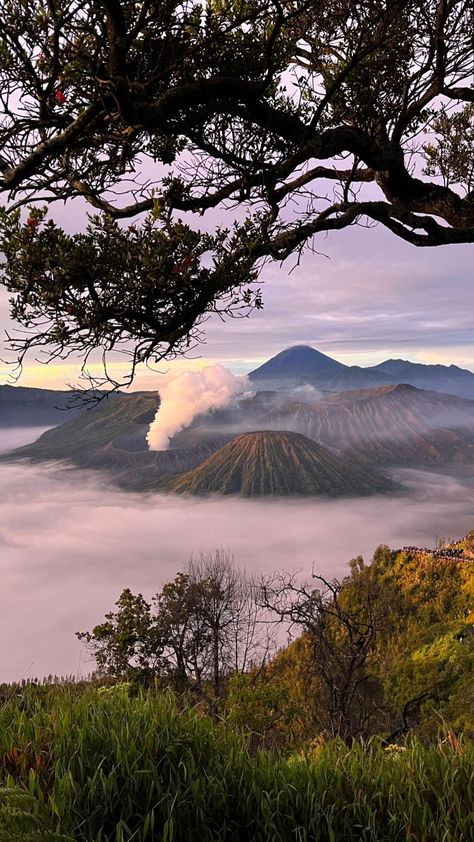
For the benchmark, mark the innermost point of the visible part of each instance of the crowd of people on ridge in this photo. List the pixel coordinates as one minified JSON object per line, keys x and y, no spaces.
{"x":439,"y":552}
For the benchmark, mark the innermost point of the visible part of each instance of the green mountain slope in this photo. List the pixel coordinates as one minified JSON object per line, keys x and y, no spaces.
{"x":81,"y":439}
{"x":277,"y":463}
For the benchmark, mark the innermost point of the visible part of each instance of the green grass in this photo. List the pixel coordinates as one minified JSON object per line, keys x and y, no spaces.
{"x":102,"y":765}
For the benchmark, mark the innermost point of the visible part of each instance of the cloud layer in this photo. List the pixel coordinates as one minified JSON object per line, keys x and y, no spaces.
{"x":375,"y":297}
{"x":69,"y":544}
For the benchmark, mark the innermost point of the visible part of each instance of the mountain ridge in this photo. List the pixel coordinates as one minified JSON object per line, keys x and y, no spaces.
{"x":283,"y":371}
{"x":391,"y":425}
{"x":28,"y":406}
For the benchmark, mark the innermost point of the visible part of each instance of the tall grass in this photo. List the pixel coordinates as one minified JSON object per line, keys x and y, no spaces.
{"x":113,"y":768}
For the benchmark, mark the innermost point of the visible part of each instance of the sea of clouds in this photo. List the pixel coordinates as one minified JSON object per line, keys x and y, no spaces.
{"x":69,"y":544}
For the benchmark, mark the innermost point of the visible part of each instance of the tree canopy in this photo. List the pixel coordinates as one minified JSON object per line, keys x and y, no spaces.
{"x":303,"y":117}
{"x":198,"y":630}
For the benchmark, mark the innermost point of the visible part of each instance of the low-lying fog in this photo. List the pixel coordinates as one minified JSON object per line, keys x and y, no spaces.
{"x":18,"y":436}
{"x":69,"y":544}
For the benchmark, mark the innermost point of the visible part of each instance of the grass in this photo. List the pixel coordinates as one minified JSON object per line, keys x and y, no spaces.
{"x":104,"y":766}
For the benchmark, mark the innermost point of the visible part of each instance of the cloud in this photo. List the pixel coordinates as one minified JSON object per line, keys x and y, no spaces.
{"x":375,"y":297}
{"x":69,"y":544}
{"x":10,"y":438}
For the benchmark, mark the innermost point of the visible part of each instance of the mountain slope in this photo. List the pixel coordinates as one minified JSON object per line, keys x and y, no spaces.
{"x":276,"y":463}
{"x":79,"y":439}
{"x":23,"y":406}
{"x":388,"y":425}
{"x":352,"y":377}
{"x":112,"y":438}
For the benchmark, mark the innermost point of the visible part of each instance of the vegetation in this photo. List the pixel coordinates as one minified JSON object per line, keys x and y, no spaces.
{"x":387,"y":650}
{"x":111,"y":764}
{"x":203,"y":627}
{"x":305,"y":116}
{"x":360,"y":729}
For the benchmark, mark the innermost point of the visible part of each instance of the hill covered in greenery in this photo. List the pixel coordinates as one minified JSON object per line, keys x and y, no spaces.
{"x":362,"y":728}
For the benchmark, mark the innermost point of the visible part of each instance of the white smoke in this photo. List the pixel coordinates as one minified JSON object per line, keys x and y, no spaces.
{"x":189,"y":394}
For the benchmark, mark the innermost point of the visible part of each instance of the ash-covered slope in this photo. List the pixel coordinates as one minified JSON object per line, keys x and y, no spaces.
{"x":387,"y":425}
{"x":277,"y":463}
{"x":112,"y":438}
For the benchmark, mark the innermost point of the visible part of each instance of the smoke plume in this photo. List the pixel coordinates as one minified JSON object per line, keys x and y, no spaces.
{"x":189,"y":394}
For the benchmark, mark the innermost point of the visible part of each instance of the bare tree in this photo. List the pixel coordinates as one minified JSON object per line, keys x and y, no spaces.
{"x":343,"y":620}
{"x":238,"y":638}
{"x":198,"y":630}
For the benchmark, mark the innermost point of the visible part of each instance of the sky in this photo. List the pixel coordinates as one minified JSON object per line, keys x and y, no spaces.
{"x":367,"y":296}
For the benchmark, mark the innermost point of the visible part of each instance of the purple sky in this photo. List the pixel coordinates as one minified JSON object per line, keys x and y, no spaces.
{"x":371,"y":298}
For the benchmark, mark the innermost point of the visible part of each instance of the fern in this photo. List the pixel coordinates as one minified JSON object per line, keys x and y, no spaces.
{"x":21,"y":819}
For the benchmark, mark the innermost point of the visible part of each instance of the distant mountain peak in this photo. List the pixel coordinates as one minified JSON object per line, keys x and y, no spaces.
{"x":301,"y":364}
{"x":297,"y":363}
{"x":298,"y":348}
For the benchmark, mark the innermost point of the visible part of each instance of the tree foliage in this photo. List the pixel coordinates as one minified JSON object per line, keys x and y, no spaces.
{"x":198,"y":630}
{"x":307,"y":116}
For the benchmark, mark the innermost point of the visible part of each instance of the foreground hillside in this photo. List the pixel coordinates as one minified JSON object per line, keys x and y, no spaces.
{"x":360,"y":730}
{"x":277,"y":463}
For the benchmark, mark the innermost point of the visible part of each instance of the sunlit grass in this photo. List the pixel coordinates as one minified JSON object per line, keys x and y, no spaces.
{"x":106,"y":765}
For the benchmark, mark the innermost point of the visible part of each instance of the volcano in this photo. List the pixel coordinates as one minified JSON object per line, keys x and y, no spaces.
{"x":277,"y":463}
